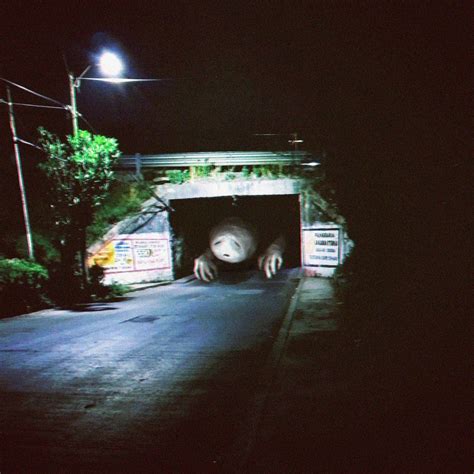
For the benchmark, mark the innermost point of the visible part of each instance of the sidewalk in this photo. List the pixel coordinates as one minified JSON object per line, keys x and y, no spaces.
{"x":304,"y":418}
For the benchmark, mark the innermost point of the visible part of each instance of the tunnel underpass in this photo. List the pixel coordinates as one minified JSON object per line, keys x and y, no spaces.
{"x":271,"y":216}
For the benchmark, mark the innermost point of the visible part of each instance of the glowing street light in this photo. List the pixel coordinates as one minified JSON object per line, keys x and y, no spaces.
{"x":110,"y":65}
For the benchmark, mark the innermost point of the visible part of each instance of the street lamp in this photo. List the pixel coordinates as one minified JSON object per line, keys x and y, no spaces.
{"x":110,"y":65}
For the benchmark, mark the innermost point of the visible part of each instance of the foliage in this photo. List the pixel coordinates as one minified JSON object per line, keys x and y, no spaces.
{"x":215,"y":171}
{"x":101,"y":292}
{"x":96,"y":274}
{"x":230,"y":173}
{"x":114,"y":291}
{"x":45,"y":250}
{"x":80,"y":173}
{"x":319,"y":192}
{"x":200,"y":171}
{"x":178,"y":176}
{"x":22,"y":285}
{"x":124,"y":199}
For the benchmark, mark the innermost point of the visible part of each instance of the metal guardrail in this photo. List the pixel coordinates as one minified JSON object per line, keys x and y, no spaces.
{"x":230,"y":158}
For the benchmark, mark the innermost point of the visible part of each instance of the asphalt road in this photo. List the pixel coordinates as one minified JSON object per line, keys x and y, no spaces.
{"x":163,"y":381}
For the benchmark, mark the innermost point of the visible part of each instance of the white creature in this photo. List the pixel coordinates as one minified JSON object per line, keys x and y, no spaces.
{"x":234,"y":241}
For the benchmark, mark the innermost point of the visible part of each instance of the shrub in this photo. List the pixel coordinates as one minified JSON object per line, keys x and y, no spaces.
{"x":22,"y":285}
{"x":178,"y":176}
{"x":45,"y":251}
{"x":124,"y":200}
{"x":203,"y":171}
{"x":101,"y":292}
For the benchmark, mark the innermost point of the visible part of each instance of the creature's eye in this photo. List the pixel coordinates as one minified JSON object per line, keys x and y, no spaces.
{"x":218,"y":242}
{"x":237,"y":244}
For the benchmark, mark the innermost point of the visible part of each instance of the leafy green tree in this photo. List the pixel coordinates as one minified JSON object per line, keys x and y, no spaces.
{"x":80,"y":173}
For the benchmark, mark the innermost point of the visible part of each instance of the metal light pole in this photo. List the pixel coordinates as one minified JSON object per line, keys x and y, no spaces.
{"x":74,"y":83}
{"x":29,"y":238}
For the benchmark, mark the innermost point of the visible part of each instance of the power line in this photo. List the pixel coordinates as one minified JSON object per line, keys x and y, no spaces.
{"x":3,"y":101}
{"x":28,"y":143}
{"x":33,"y":92}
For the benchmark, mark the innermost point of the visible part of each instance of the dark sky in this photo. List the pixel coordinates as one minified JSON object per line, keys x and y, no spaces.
{"x":235,"y":69}
{"x":382,"y":85}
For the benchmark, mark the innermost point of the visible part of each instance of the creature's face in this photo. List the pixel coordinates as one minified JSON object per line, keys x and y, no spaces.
{"x":232,"y":241}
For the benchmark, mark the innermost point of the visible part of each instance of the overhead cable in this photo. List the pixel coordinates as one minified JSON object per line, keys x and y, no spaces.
{"x":2,"y":101}
{"x":33,"y":92}
{"x":119,"y":80}
{"x":28,"y":143}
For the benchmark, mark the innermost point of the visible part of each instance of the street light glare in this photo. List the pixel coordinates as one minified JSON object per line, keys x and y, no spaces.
{"x":110,"y":64}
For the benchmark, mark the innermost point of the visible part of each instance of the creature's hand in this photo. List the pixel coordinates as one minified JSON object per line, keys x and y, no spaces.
{"x":270,"y":262}
{"x":204,"y":268}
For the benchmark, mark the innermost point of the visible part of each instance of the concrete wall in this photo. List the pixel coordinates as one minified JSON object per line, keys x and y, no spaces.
{"x":140,"y":249}
{"x":137,"y":249}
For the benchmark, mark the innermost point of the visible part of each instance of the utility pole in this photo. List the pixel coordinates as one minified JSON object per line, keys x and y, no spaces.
{"x":72,"y":91}
{"x":295,"y":141}
{"x":16,"y":148}
{"x":75,"y":83}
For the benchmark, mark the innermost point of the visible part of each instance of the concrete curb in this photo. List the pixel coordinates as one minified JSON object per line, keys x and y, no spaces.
{"x":145,"y":286}
{"x":248,"y":430}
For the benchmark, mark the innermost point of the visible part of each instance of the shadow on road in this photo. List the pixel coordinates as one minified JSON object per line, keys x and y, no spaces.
{"x":93,"y":307}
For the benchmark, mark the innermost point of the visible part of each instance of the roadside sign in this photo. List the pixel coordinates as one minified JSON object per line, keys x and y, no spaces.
{"x":321,"y":247}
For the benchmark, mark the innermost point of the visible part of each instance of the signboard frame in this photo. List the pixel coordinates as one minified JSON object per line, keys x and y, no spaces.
{"x":135,"y":256}
{"x":304,"y":246}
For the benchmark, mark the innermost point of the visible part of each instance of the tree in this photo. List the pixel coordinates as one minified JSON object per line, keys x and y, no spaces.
{"x":80,"y":174}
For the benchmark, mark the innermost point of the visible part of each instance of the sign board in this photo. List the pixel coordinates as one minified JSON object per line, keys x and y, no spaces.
{"x":134,"y":253}
{"x":321,"y":247}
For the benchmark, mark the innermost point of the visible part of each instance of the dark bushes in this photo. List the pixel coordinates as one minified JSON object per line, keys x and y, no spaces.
{"x":22,"y":286}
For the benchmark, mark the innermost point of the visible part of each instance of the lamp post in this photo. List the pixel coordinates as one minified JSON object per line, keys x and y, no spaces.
{"x":110,"y":65}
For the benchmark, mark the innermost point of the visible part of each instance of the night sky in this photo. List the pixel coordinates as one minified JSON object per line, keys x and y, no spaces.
{"x":332,"y":71}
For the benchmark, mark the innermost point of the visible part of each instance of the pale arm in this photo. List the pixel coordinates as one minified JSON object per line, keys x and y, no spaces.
{"x":204,"y":266}
{"x":272,"y":259}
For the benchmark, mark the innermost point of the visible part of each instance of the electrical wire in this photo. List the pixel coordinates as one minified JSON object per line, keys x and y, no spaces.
{"x":120,"y":80}
{"x":28,"y":143}
{"x":33,"y":92}
{"x":3,"y":101}
{"x":87,"y":123}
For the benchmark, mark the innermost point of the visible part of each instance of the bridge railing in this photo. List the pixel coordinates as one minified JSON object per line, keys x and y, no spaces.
{"x":183,"y":160}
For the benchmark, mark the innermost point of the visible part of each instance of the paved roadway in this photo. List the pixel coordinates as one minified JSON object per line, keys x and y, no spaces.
{"x":164,"y":381}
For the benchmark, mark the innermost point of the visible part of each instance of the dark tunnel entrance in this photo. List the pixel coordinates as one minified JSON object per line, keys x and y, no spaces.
{"x":271,"y":215}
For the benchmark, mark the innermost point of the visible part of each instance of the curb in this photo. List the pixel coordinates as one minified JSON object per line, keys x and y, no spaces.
{"x":244,"y":445}
{"x":150,"y":285}
{"x":145,"y":286}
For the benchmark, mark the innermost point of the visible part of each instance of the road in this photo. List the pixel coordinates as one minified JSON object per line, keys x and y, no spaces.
{"x":164,"y":381}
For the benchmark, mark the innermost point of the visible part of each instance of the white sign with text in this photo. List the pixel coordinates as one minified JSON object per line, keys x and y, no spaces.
{"x":321,"y":247}
{"x":134,"y":253}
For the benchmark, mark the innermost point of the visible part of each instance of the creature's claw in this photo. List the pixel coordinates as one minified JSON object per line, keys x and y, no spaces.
{"x":270,"y":262}
{"x":204,"y":268}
